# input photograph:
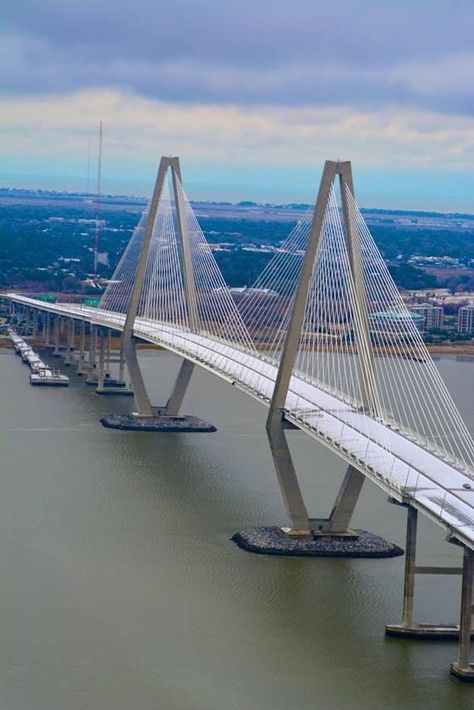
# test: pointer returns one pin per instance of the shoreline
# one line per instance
(447, 349)
(451, 349)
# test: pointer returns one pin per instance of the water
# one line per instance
(121, 589)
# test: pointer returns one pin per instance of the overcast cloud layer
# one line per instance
(364, 52)
(375, 79)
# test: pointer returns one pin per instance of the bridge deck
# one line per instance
(402, 467)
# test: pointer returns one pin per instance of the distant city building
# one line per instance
(466, 319)
(395, 326)
(432, 315)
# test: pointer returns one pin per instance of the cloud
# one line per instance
(362, 54)
(243, 89)
(139, 130)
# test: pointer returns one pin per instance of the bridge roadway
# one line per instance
(402, 467)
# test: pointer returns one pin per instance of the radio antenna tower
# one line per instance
(97, 203)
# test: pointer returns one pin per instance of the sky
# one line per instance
(253, 95)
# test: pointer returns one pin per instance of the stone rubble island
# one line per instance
(271, 541)
(163, 423)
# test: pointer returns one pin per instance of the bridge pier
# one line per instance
(463, 668)
(320, 536)
(108, 348)
(121, 375)
(149, 417)
(308, 536)
(91, 378)
(47, 330)
(82, 350)
(105, 384)
(56, 331)
(165, 418)
(287, 478)
(101, 365)
(70, 333)
(142, 400)
(175, 400)
(408, 628)
(34, 322)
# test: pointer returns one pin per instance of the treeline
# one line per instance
(33, 249)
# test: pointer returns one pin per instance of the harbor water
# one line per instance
(121, 589)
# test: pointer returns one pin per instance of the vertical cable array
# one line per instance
(164, 297)
(266, 306)
(116, 296)
(328, 352)
(184, 289)
(217, 313)
(409, 394)
(412, 394)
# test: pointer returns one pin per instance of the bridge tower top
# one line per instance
(332, 170)
(166, 164)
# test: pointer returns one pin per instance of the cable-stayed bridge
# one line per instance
(324, 340)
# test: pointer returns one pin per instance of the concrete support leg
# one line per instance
(108, 352)
(56, 326)
(48, 330)
(34, 323)
(346, 500)
(288, 480)
(410, 565)
(180, 386)
(82, 339)
(464, 668)
(142, 400)
(121, 375)
(92, 376)
(70, 341)
(339, 521)
(107, 385)
(101, 368)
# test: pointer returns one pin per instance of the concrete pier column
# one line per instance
(108, 352)
(408, 628)
(47, 337)
(410, 566)
(70, 341)
(180, 386)
(121, 375)
(92, 376)
(129, 346)
(287, 478)
(346, 500)
(34, 323)
(56, 331)
(82, 338)
(101, 368)
(464, 668)
(43, 327)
